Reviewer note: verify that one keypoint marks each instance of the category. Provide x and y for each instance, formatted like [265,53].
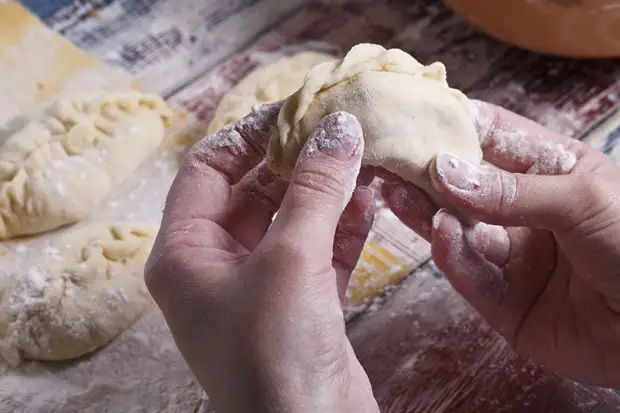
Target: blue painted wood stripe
[45,8]
[611,141]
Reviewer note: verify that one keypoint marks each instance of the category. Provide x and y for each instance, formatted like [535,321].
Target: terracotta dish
[572,28]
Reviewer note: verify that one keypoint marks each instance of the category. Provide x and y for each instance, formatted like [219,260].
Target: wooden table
[424,349]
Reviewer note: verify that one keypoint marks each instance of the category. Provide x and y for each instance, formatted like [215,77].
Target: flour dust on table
[80,296]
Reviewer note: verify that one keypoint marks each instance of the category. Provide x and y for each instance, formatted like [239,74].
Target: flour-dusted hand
[254,306]
[542,267]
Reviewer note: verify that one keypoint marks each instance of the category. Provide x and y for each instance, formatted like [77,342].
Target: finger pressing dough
[56,169]
[79,298]
[267,84]
[407,111]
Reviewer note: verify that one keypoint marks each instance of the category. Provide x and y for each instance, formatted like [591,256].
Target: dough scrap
[56,169]
[270,83]
[407,111]
[88,291]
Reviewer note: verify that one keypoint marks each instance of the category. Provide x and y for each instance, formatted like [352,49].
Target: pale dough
[407,111]
[270,83]
[56,169]
[86,291]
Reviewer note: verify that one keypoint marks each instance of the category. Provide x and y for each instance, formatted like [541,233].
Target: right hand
[543,264]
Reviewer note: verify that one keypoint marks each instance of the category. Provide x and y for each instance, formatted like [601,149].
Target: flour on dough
[407,111]
[267,84]
[89,290]
[57,168]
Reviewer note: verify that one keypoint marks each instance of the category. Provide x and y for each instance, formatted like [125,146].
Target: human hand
[254,306]
[543,265]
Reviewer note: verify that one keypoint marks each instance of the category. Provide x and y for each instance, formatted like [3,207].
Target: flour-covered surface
[164,43]
[141,372]
[423,348]
[426,351]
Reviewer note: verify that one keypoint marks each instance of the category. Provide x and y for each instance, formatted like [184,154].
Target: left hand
[541,262]
[254,306]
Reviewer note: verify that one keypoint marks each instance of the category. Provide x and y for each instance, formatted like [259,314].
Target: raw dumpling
[57,169]
[89,290]
[407,111]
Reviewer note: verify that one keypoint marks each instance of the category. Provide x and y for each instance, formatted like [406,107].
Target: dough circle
[56,169]
[407,111]
[270,83]
[89,290]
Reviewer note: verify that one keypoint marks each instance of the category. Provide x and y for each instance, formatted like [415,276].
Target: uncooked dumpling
[57,169]
[89,290]
[407,111]
[270,83]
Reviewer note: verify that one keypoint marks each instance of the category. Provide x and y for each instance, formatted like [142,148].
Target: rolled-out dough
[270,83]
[407,111]
[56,169]
[87,290]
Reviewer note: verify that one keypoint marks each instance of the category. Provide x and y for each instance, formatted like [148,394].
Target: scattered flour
[141,372]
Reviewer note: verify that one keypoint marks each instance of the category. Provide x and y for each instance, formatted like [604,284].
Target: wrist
[278,397]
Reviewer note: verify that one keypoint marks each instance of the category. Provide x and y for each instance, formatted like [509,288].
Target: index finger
[517,144]
[203,185]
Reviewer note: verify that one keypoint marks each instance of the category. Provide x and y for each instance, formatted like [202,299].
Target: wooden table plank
[425,350]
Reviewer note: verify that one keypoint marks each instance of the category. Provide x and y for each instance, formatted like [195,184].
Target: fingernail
[438,217]
[457,173]
[491,241]
[365,192]
[269,107]
[338,135]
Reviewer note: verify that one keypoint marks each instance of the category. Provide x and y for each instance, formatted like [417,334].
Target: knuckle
[506,186]
[327,180]
[264,190]
[166,261]
[161,263]
[263,198]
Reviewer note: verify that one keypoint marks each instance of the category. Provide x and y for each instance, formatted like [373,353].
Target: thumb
[502,198]
[322,183]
